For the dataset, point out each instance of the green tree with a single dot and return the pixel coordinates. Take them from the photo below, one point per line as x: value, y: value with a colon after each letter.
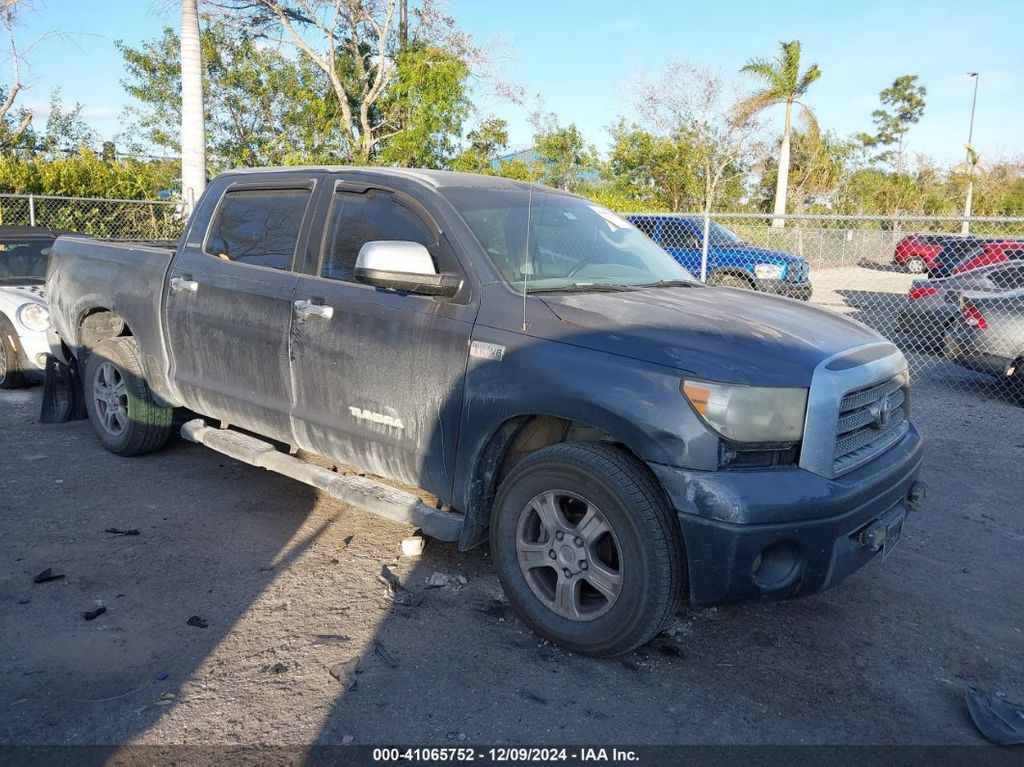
x: 360, y: 48
x: 820, y: 164
x: 690, y: 148
x: 563, y: 158
x: 902, y: 106
x: 14, y: 120
x: 782, y: 82
x: 65, y: 131
x: 262, y: 107
x: 485, y: 144
x: 429, y: 102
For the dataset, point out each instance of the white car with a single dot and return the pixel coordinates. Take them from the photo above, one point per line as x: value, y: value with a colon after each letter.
x: 24, y: 318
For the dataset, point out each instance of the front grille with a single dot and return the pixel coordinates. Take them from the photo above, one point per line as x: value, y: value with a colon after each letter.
x: 863, y: 430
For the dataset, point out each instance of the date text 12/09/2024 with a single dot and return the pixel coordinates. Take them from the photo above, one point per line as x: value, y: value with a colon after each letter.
x: 504, y: 754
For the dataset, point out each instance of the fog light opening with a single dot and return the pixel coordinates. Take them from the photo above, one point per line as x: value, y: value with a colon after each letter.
x: 41, y: 359
x: 776, y: 566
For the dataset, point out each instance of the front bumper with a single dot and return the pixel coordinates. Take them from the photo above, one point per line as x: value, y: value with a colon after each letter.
x: 799, y: 290
x: 34, y: 348
x: 966, y: 348
x: 784, y: 533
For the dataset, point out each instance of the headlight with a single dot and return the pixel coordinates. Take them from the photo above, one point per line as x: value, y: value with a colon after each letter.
x: 768, y: 271
x: 34, y: 316
x: 749, y: 413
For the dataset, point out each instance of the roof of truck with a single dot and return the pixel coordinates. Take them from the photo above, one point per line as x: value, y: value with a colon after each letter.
x: 434, y: 178
x: 31, y: 231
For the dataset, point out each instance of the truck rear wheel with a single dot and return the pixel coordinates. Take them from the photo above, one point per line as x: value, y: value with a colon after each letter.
x: 11, y: 363
x: 123, y: 412
x: 587, y: 549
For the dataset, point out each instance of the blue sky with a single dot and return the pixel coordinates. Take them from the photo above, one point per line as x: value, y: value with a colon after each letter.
x: 580, y: 57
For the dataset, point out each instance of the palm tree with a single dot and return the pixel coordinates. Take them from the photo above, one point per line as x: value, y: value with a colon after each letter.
x: 783, y: 83
x: 193, y: 130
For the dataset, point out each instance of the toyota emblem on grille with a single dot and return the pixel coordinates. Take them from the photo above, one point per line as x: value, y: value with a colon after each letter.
x: 881, y: 411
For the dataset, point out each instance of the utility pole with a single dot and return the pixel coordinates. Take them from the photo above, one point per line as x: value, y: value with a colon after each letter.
x: 193, y: 126
x: 403, y: 23
x: 965, y: 227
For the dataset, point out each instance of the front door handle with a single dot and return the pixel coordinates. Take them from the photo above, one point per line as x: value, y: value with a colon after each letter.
x: 306, y: 309
x: 181, y: 285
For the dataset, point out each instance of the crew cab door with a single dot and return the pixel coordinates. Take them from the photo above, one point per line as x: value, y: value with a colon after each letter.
x: 377, y: 374
x: 228, y: 304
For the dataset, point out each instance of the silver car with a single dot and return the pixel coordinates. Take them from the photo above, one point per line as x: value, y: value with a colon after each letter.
x: 989, y: 337
x: 933, y: 306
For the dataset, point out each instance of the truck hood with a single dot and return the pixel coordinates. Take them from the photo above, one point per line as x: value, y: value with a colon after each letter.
x: 721, y: 334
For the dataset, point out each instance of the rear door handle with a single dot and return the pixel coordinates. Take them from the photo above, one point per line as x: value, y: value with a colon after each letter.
x: 306, y: 309
x: 181, y: 285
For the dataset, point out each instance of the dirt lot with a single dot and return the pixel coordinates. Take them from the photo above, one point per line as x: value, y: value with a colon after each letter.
x: 287, y: 584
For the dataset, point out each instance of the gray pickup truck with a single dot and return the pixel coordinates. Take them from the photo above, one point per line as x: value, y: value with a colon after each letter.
x: 626, y: 437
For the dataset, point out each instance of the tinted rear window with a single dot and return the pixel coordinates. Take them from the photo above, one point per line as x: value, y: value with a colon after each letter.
x: 258, y: 227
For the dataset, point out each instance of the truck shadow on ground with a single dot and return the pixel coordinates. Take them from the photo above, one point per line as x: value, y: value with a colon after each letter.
x: 251, y: 609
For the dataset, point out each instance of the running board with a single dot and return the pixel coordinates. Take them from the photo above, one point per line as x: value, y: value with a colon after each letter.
x: 374, y: 497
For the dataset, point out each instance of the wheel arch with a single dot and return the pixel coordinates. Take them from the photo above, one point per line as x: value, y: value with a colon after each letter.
x: 732, y: 271
x: 510, y: 442
x: 96, y: 323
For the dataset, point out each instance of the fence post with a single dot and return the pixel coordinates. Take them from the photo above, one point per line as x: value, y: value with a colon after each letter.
x: 31, y: 210
x: 704, y: 248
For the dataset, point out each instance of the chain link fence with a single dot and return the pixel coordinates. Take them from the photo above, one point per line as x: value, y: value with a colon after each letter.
x: 98, y: 217
x: 950, y: 294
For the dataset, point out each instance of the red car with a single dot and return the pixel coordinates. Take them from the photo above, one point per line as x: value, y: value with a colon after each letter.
x: 991, y: 253
x: 917, y: 252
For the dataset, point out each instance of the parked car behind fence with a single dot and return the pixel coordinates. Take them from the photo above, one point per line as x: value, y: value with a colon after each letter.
x: 730, y: 261
x: 989, y: 337
x: 932, y: 306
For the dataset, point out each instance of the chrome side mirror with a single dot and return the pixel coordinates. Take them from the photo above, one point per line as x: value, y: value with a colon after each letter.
x: 404, y: 266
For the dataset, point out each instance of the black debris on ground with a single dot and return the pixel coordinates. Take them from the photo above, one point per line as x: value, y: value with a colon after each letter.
x: 48, y: 575
x: 196, y: 621
x: 94, y: 614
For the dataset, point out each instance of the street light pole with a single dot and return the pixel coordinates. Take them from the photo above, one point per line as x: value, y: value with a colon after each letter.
x: 965, y: 228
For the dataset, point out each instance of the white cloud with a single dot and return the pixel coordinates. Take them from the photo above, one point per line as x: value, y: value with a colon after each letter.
x: 99, y: 113
x: 624, y: 24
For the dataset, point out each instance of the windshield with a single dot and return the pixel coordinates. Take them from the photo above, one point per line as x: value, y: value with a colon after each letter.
x: 571, y: 243
x: 719, y: 236
x: 21, y: 259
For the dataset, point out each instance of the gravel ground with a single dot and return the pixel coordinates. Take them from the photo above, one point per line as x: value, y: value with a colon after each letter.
x: 286, y: 583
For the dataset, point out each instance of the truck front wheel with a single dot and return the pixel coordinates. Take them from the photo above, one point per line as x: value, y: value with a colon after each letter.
x: 123, y: 411
x: 587, y: 549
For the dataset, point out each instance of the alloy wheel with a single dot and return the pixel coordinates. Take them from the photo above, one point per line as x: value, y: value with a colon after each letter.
x: 569, y: 555
x: 110, y: 395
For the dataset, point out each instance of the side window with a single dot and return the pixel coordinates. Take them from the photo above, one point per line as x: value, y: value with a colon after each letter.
x: 1008, y: 278
x: 647, y: 226
x: 360, y: 218
x: 259, y: 227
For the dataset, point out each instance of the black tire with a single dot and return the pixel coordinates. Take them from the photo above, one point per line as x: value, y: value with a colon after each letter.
x: 12, y: 359
x: 115, y: 365
x: 642, y: 529
x: 916, y: 265
x: 1017, y: 381
x: 731, y: 281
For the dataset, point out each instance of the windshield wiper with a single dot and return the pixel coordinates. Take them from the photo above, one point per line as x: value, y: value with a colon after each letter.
x: 668, y: 284
x: 584, y: 287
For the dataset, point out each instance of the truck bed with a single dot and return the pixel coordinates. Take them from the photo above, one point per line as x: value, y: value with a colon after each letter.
x: 122, y: 276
